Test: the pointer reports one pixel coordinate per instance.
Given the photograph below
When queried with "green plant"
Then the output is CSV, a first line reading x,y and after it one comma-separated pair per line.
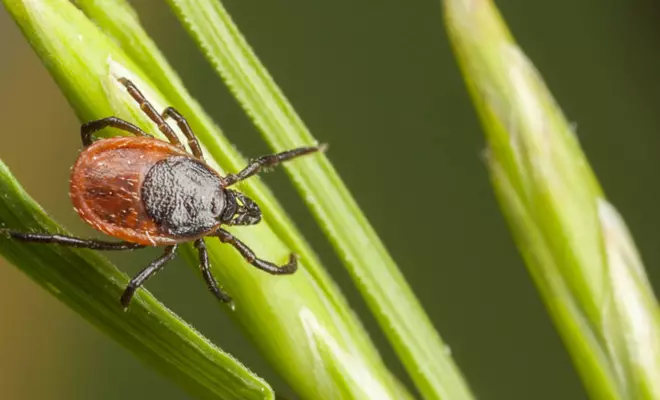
x,y
575,244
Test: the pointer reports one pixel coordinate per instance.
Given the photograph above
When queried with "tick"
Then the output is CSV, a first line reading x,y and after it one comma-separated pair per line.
x,y
148,192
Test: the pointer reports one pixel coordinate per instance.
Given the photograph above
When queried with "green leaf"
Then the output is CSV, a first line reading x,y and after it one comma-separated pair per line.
x,y
381,283
575,244
301,322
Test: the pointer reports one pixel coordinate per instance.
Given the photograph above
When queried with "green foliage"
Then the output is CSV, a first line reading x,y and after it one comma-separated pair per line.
x,y
576,246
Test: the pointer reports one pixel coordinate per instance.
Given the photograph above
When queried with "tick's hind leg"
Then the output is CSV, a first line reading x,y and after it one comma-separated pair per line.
x,y
151,270
86,130
151,112
186,129
69,241
286,269
271,161
206,272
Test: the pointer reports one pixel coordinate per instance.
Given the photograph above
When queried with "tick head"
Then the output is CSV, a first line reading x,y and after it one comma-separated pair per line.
x,y
240,209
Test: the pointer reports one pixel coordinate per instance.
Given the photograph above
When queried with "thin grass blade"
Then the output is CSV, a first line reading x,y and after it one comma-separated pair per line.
x,y
575,244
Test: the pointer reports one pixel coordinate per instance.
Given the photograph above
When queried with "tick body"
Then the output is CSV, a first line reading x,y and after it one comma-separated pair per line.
x,y
148,192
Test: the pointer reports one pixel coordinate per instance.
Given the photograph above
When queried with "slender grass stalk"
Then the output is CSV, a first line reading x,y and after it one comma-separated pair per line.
x,y
381,283
575,244
301,322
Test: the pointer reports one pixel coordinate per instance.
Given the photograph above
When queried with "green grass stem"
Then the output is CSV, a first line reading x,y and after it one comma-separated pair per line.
x,y
575,244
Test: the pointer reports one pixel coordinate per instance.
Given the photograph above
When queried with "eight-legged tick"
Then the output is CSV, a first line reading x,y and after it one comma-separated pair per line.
x,y
148,192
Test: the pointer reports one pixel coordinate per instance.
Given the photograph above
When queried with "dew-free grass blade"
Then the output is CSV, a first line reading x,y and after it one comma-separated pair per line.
x,y
91,285
575,244
375,273
301,322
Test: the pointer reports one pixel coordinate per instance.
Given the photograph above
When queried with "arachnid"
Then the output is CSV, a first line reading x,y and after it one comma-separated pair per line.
x,y
148,192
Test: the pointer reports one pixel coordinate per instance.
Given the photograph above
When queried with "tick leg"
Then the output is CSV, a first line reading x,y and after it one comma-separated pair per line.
x,y
206,272
69,241
286,269
151,112
86,130
151,270
270,161
187,131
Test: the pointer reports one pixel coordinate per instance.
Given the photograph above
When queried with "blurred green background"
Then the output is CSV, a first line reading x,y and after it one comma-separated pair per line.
x,y
379,83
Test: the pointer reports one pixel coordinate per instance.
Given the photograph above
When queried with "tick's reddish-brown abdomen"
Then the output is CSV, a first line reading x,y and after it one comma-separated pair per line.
x,y
106,183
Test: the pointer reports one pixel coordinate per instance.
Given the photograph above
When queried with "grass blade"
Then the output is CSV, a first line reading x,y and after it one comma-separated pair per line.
x,y
575,244
372,268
